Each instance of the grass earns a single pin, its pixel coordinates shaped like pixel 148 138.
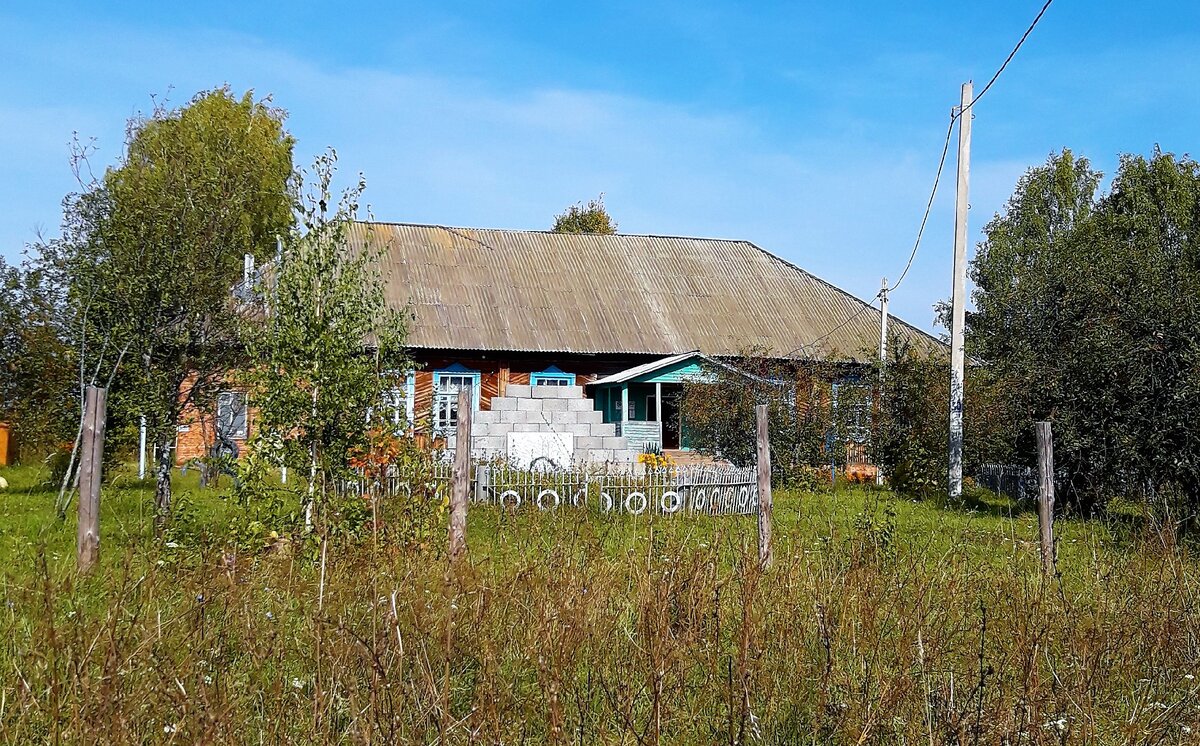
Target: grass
pixel 882 620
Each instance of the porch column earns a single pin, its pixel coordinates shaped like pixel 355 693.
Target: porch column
pixel 658 413
pixel 624 408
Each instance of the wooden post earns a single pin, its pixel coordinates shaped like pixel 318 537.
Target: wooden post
pixel 764 486
pixel 87 544
pixel 461 486
pixel 1045 446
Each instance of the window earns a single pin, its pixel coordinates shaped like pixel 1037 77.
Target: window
pixel 552 376
pixel 852 409
pixel 446 385
pixel 397 407
pixel 231 414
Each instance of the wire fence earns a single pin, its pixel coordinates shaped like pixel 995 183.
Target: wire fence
pixel 1017 482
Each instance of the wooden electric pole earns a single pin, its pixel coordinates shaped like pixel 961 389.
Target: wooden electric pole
pixel 883 319
pixel 959 292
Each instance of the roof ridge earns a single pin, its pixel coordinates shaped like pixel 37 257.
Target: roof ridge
pixel 550 232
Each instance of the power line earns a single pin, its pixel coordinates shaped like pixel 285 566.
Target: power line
pixel 954 115
pixel 949 133
pixel 928 205
pixel 1011 54
pixel 835 329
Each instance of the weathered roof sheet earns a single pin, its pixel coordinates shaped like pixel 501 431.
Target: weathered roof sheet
pixel 536 291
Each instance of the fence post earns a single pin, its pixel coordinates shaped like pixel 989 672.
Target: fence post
pixel 763 446
pixel 87 535
pixel 461 485
pixel 1045 448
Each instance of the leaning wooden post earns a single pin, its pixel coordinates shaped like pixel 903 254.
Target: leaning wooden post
pixel 764 486
pixel 461 486
pixel 87 543
pixel 1045 447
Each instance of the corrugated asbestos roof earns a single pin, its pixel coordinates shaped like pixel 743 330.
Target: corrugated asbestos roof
pixel 477 289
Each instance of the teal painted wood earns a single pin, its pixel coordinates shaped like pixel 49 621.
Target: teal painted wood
pixel 684 370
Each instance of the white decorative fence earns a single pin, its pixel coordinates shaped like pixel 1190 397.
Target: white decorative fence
pixel 694 490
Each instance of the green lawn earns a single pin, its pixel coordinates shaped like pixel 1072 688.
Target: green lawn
pixel 882 620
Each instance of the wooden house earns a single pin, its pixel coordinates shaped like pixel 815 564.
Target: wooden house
pixel 620 320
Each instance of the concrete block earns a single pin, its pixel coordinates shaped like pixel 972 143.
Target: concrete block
pixel 509 416
pixel 557 392
pixel 604 429
pixel 480 429
pixel 577 428
pixel 528 405
pixel 592 415
pixel 626 456
pixel 565 418
pixel 502 403
pixel 554 405
pixel 598 455
pixel 489 445
pixel 517 391
pixel 616 443
pixel 536 417
pixel 588 442
pixel 581 405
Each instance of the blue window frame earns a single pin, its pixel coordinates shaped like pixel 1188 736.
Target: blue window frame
pixel 446 384
pixel 552 376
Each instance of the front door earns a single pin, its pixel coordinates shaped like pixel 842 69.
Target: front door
pixel 670 415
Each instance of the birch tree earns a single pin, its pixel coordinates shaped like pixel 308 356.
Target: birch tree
pixel 327 347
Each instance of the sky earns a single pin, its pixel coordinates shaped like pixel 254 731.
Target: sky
pixel 811 129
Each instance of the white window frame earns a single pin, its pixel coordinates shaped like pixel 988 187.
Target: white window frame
pixel 223 402
pixel 393 397
pixel 445 398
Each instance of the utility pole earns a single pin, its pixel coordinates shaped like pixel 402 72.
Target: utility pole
pixel 959 291
pixel 883 319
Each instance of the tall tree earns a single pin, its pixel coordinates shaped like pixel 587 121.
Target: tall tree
pixel 1087 307
pixel 158 243
pixel 328 347
pixel 37 361
pixel 589 218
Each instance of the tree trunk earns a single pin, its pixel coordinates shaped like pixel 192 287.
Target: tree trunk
pixel 162 477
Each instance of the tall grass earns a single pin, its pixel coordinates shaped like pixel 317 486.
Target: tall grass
pixel 881 621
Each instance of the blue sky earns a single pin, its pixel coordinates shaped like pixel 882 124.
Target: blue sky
pixel 811 129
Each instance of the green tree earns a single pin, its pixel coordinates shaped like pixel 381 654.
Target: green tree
pixel 37 362
pixel 326 350
pixel 154 247
pixel 1087 307
pixel 589 218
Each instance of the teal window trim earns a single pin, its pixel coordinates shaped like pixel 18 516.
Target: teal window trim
pixel 551 374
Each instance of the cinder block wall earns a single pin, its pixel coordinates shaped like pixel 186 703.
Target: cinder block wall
pixel 547 409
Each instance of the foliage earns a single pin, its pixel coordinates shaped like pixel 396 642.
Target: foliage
pixel 589 218
pixel 327 348
pixel 908 438
pixel 806 430
pixel 412 517
pixel 152 250
pixel 38 375
pixel 1087 306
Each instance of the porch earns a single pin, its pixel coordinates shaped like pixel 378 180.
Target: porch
pixel 643 402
